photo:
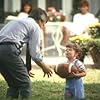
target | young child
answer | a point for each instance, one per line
(74, 88)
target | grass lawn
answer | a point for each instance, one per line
(52, 88)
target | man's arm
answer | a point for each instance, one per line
(46, 69)
(34, 48)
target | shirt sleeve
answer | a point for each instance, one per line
(80, 65)
(34, 44)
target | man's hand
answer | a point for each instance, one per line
(47, 70)
(31, 74)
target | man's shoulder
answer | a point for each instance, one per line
(30, 22)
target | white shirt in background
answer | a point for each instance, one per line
(22, 15)
(80, 23)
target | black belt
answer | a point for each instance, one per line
(7, 43)
(12, 43)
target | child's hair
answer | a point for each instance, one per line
(76, 47)
(84, 3)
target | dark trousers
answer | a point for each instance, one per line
(14, 71)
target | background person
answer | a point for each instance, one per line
(80, 23)
(25, 10)
(12, 37)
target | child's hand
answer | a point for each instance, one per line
(81, 74)
(75, 74)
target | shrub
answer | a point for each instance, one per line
(90, 43)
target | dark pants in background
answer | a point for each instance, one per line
(14, 71)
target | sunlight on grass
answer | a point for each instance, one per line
(93, 76)
(39, 77)
(44, 88)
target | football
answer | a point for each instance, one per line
(64, 69)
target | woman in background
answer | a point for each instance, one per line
(80, 23)
(25, 10)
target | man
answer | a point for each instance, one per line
(12, 37)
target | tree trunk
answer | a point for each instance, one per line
(95, 56)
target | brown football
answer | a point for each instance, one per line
(62, 70)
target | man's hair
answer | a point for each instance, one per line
(84, 3)
(39, 14)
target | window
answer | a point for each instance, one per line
(1, 11)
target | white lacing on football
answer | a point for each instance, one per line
(70, 67)
(56, 68)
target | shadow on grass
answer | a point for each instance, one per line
(44, 90)
(92, 91)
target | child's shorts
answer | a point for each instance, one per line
(74, 90)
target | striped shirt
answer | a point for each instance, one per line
(78, 64)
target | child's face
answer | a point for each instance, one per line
(70, 53)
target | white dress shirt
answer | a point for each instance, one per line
(23, 31)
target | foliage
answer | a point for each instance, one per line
(83, 41)
(88, 42)
(95, 30)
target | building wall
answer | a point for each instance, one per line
(1, 11)
(94, 6)
(12, 5)
(66, 8)
(42, 4)
(15, 5)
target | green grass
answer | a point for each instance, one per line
(52, 88)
